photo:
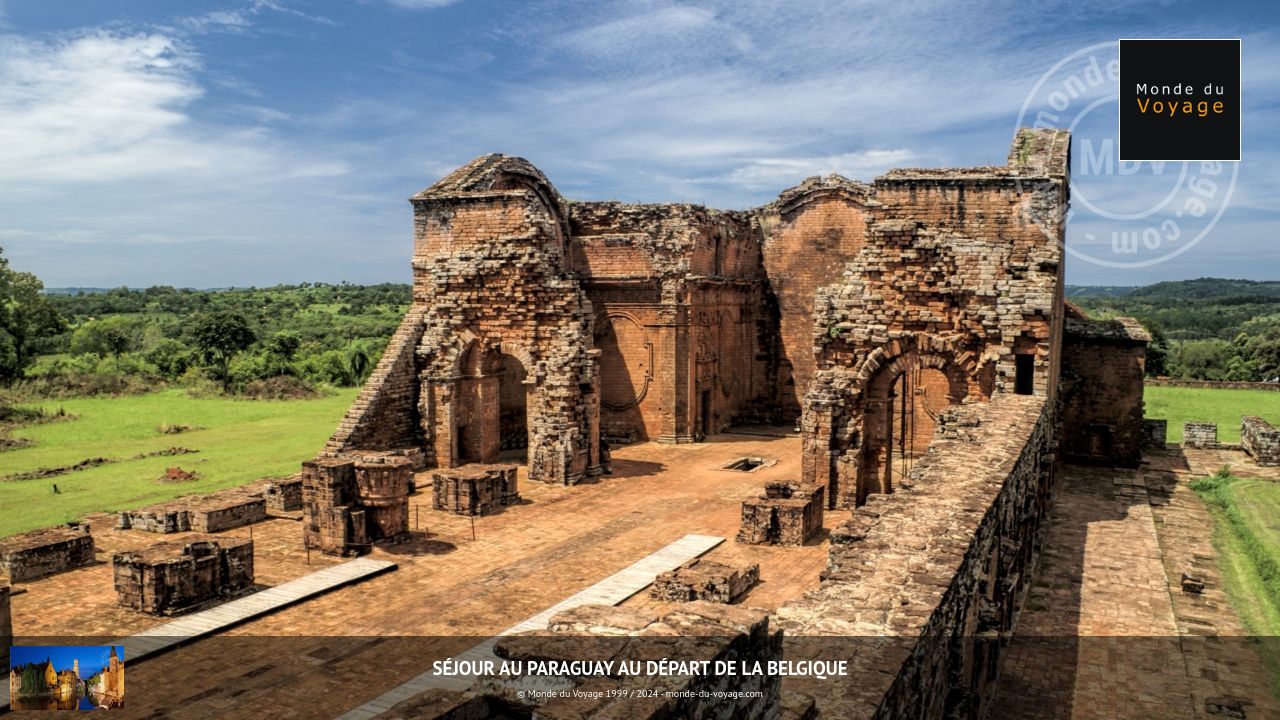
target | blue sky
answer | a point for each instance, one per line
(258, 142)
(92, 657)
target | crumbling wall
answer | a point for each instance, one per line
(173, 576)
(224, 510)
(787, 514)
(1260, 440)
(959, 277)
(384, 415)
(489, 264)
(677, 291)
(809, 234)
(32, 555)
(933, 571)
(284, 494)
(1103, 366)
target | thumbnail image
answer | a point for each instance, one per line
(66, 677)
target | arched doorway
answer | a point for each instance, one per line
(513, 409)
(900, 417)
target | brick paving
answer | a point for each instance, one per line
(1107, 631)
(449, 591)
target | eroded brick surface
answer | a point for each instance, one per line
(174, 576)
(34, 554)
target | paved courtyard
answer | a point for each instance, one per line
(1107, 631)
(449, 591)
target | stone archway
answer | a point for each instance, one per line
(902, 401)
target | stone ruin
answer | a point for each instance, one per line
(1200, 435)
(353, 501)
(914, 328)
(787, 514)
(540, 325)
(702, 579)
(212, 513)
(1260, 440)
(1155, 433)
(696, 631)
(177, 575)
(283, 495)
(474, 489)
(32, 555)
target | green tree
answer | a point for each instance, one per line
(26, 316)
(283, 347)
(220, 336)
(112, 336)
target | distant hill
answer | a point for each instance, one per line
(1200, 309)
(1078, 292)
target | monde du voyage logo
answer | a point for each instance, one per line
(1155, 128)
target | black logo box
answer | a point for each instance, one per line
(1177, 72)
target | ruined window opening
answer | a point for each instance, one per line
(1024, 382)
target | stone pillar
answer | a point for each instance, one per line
(674, 373)
(383, 487)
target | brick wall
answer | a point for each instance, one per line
(960, 274)
(1103, 364)
(172, 576)
(1200, 435)
(931, 570)
(1260, 440)
(809, 235)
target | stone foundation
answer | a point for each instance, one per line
(39, 553)
(701, 579)
(1200, 435)
(353, 501)
(1260, 440)
(787, 514)
(284, 495)
(1155, 433)
(173, 576)
(212, 513)
(474, 489)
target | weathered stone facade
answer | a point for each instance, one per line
(540, 325)
(1200, 434)
(955, 296)
(38, 553)
(787, 514)
(1103, 366)
(353, 501)
(1260, 440)
(474, 489)
(173, 576)
(701, 579)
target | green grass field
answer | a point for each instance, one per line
(240, 441)
(1225, 407)
(1247, 537)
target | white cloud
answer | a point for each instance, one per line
(101, 107)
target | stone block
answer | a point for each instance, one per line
(1155, 433)
(1200, 435)
(701, 579)
(35, 554)
(474, 489)
(1260, 440)
(787, 514)
(173, 576)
